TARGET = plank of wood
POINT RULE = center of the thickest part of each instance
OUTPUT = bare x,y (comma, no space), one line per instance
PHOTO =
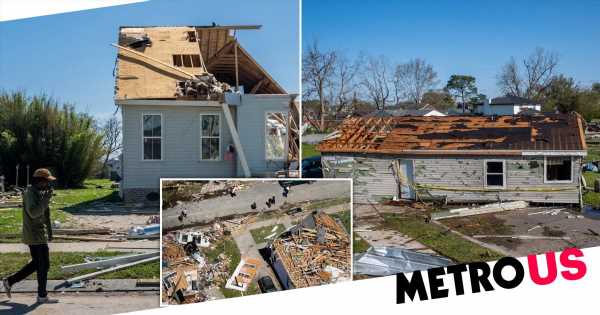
112,269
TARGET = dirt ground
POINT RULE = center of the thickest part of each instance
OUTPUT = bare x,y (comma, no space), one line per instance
580,230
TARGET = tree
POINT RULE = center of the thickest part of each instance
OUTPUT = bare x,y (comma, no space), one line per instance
562,95
533,80
111,130
441,100
317,71
462,88
343,88
413,79
376,80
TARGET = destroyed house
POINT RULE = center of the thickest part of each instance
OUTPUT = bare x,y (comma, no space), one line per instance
314,252
459,158
195,103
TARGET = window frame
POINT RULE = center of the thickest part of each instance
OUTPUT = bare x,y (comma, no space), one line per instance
485,174
285,144
220,137
546,181
162,140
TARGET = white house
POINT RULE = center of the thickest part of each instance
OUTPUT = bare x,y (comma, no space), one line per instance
196,104
506,105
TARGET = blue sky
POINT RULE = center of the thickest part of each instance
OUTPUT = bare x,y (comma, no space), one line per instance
461,37
69,57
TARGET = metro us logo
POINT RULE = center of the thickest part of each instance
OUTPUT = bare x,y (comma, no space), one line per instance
480,275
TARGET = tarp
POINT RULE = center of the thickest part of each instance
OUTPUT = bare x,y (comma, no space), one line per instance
385,261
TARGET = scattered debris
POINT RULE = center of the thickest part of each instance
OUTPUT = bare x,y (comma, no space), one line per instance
107,262
243,274
524,237
488,208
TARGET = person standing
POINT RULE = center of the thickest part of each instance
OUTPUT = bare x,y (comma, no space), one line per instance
37,232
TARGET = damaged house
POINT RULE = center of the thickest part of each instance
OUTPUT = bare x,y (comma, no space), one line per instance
314,252
533,158
195,103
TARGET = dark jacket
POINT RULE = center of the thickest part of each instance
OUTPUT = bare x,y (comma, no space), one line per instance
36,216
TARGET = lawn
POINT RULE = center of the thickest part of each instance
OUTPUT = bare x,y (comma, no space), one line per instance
326,203
435,237
260,235
359,245
309,150
593,152
12,262
64,202
591,197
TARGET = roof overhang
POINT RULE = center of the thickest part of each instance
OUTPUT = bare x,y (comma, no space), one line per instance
153,102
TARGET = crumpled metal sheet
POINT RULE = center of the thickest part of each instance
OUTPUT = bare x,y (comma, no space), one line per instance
385,261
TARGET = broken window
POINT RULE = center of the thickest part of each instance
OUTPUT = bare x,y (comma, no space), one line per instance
152,136
177,61
210,136
187,60
276,136
558,169
191,36
494,174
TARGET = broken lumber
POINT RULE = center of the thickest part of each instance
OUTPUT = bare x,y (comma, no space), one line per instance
85,238
110,262
489,208
109,270
82,231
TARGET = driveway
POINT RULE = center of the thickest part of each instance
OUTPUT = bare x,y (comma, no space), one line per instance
206,210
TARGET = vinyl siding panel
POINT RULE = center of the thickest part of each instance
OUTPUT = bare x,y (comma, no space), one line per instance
181,146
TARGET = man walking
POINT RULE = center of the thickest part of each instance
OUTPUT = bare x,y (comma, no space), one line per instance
37,232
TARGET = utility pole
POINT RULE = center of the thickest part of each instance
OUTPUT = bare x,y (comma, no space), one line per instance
17,177
27,175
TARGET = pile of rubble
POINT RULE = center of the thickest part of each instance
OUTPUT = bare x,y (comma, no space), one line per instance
11,199
188,276
314,252
204,86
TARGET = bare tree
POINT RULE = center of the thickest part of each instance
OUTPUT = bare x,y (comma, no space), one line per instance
111,131
538,70
317,71
376,80
413,79
344,86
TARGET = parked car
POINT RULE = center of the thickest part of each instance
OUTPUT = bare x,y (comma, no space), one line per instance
311,167
290,183
266,285
294,211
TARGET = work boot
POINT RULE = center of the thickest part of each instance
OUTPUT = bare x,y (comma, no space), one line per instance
7,287
46,300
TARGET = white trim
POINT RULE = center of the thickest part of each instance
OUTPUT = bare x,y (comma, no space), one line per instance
554,153
162,138
546,181
285,143
485,174
218,114
147,102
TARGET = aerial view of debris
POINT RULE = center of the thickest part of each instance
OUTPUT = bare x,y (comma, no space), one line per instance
225,239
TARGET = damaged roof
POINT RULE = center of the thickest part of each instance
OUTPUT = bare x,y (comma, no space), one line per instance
457,135
145,68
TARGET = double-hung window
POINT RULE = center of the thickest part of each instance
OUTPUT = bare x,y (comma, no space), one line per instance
210,137
495,174
152,136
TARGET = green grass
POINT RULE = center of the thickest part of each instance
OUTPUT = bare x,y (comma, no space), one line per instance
259,235
344,217
445,243
64,202
593,153
309,150
359,245
12,262
591,197
251,290
326,203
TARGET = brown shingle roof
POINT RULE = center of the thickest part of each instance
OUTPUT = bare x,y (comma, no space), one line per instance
506,135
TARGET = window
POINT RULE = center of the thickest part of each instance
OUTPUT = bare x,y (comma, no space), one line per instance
152,136
191,35
188,61
275,136
558,169
494,174
210,137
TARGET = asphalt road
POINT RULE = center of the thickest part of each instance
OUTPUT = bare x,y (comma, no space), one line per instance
259,192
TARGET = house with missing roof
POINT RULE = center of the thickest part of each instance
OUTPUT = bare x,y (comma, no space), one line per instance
195,103
506,105
535,158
